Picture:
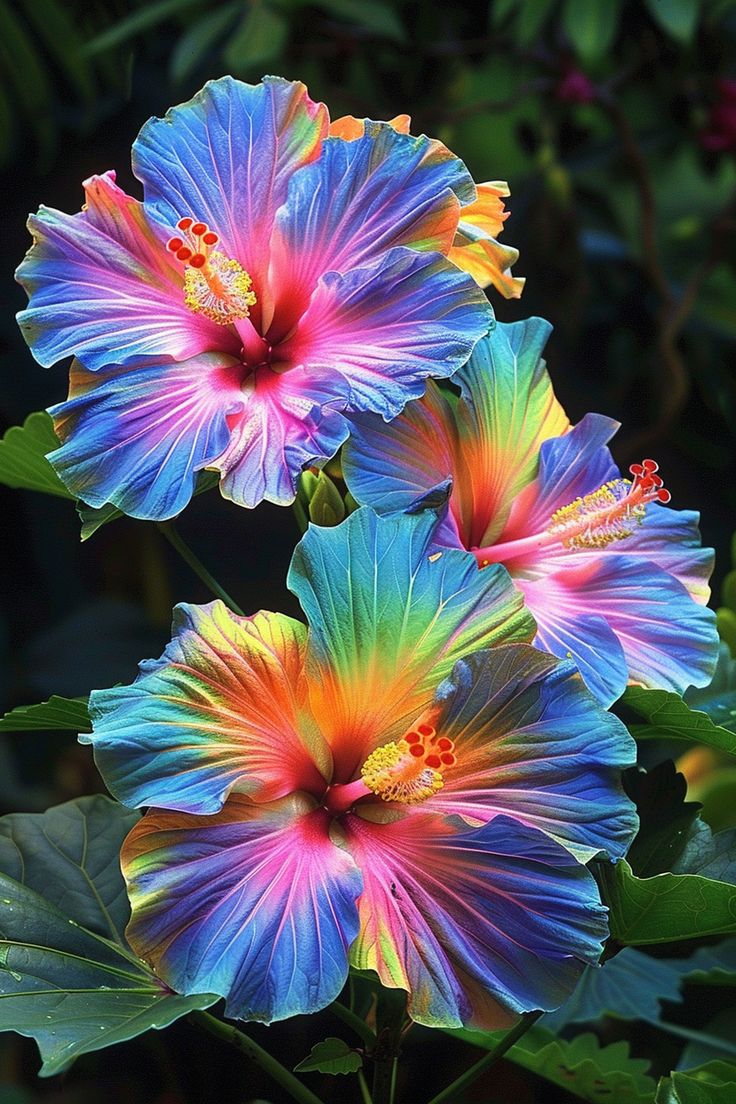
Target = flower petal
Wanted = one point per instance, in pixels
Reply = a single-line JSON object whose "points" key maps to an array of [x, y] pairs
{"points": [[388, 617], [361, 198], [102, 286], [475, 248], [256, 904], [370, 338], [487, 442], [391, 466], [532, 742], [570, 466], [138, 436], [285, 425], [669, 641], [224, 707], [348, 127], [226, 157], [476, 925]]}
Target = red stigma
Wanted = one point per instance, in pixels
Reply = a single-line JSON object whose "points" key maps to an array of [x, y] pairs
{"points": [[416, 750], [412, 737], [184, 223], [425, 730], [174, 243], [210, 238], [433, 761], [184, 253], [199, 228], [649, 483], [198, 260]]}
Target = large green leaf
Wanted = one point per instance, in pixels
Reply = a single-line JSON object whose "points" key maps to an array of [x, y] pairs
{"points": [[581, 1066], [69, 854], [669, 717], [667, 907], [52, 714], [23, 460], [629, 986], [62, 981]]}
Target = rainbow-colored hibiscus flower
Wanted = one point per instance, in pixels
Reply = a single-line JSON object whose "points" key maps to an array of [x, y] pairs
{"points": [[615, 580], [405, 785], [278, 273]]}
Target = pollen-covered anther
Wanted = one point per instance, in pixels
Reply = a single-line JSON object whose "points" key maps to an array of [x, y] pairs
{"points": [[612, 512], [411, 769], [215, 285]]}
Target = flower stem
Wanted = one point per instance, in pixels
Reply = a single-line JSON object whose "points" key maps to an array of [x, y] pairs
{"points": [[174, 538], [365, 1094], [451, 1092], [390, 1016], [359, 1026], [257, 1054]]}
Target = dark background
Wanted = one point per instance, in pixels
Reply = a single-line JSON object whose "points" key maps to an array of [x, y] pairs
{"points": [[614, 123]]}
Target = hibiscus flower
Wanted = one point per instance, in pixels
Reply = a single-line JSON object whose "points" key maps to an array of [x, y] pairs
{"points": [[274, 277], [404, 785]]}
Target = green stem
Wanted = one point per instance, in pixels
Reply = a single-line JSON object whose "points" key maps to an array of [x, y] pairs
{"points": [[176, 541], [360, 1027], [257, 1054], [364, 1090], [694, 1036], [452, 1091], [390, 1016]]}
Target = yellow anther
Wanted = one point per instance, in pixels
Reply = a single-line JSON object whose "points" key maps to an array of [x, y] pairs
{"points": [[220, 290]]}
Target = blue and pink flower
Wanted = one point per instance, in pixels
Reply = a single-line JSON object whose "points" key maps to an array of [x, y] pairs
{"points": [[405, 785], [279, 272], [615, 580]]}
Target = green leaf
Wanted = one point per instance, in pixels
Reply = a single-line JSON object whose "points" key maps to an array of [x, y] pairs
{"points": [[23, 460], [73, 988], [713, 965], [194, 44], [667, 907], [714, 1043], [677, 17], [581, 1066], [591, 26], [670, 718], [259, 38], [629, 986], [713, 855], [69, 854], [718, 699], [331, 1056], [56, 713], [713, 1083], [665, 817]]}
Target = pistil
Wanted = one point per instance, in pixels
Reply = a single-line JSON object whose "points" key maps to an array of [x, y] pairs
{"points": [[611, 513]]}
